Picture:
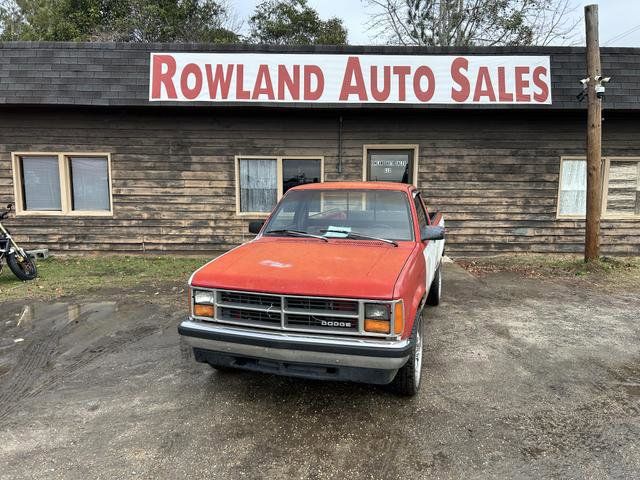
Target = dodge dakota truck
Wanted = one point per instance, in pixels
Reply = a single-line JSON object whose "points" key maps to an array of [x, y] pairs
{"points": [[333, 286]]}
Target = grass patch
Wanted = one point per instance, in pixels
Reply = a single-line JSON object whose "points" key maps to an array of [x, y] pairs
{"points": [[77, 275], [623, 270]]}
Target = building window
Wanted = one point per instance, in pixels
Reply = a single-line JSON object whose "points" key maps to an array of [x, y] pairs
{"points": [[40, 183], [623, 188], [62, 184], [90, 183], [620, 187], [258, 184], [261, 181], [390, 163], [572, 195]]}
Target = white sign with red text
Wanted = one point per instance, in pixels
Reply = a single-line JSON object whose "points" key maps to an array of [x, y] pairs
{"points": [[371, 79]]}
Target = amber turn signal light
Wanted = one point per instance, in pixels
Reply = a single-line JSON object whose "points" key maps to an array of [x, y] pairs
{"points": [[377, 326], [398, 316], [203, 310]]}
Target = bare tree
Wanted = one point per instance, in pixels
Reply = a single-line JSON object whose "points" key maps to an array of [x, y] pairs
{"points": [[473, 22]]}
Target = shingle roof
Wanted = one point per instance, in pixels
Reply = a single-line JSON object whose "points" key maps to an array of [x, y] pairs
{"points": [[117, 74]]}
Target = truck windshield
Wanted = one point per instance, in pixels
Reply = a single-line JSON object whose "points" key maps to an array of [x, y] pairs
{"points": [[343, 213]]}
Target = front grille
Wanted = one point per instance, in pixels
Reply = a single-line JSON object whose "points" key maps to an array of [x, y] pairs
{"points": [[250, 299], [321, 323], [248, 316], [322, 305], [323, 315]]}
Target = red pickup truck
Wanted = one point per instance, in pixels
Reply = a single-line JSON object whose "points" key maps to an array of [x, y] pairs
{"points": [[333, 287]]}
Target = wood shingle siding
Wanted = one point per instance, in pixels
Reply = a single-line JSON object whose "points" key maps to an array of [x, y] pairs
{"points": [[493, 174]]}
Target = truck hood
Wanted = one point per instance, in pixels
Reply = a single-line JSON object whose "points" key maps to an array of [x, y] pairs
{"points": [[337, 268]]}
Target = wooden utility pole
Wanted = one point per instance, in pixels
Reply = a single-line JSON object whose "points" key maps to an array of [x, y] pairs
{"points": [[594, 137]]}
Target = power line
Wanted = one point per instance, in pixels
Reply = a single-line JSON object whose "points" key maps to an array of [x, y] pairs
{"points": [[622, 35]]}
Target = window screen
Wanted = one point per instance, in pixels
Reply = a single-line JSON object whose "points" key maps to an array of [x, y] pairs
{"points": [[572, 199], [90, 183], [40, 183], [258, 184], [623, 189]]}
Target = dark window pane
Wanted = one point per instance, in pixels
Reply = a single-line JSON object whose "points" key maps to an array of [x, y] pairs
{"points": [[90, 182], [41, 183], [258, 184], [298, 172], [390, 165]]}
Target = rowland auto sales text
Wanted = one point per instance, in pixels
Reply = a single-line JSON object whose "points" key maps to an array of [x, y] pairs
{"points": [[311, 78]]}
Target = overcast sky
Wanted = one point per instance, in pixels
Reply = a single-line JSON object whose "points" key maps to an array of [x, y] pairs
{"points": [[616, 17]]}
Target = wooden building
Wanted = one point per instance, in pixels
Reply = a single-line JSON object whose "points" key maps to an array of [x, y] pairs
{"points": [[96, 163]]}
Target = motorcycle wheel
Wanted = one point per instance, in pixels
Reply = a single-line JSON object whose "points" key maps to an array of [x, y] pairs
{"points": [[22, 267]]}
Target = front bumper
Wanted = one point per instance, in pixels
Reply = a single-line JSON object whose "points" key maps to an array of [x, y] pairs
{"points": [[299, 355]]}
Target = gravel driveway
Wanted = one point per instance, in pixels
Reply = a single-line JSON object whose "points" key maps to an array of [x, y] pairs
{"points": [[525, 378]]}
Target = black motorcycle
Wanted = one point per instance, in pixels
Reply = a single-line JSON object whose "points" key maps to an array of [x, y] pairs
{"points": [[20, 263]]}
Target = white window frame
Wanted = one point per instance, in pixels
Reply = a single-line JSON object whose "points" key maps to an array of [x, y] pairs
{"points": [[279, 177], [65, 185], [389, 146]]}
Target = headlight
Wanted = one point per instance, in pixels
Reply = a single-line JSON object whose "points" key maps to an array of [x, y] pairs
{"points": [[376, 318], [203, 296], [203, 303], [376, 311]]}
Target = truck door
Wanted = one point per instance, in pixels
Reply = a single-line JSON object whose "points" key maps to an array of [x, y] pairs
{"points": [[430, 250]]}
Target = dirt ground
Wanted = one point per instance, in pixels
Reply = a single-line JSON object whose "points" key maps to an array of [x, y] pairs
{"points": [[525, 378]]}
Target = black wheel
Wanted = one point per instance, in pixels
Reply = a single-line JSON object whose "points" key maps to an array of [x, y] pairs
{"points": [[407, 380], [23, 267], [433, 299]]}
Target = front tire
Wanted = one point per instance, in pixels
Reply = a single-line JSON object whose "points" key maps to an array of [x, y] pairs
{"points": [[22, 267], [407, 380]]}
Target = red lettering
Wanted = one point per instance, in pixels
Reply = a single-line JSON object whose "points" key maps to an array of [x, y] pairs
{"points": [[241, 93], [292, 84], [539, 82], [484, 88], [263, 85], [459, 65], [220, 81], [522, 84], [402, 72], [353, 72], [309, 71], [503, 95], [424, 95], [159, 77], [191, 69], [380, 95]]}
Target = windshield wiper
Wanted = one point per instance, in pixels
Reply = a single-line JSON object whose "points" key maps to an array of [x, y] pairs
{"points": [[369, 237], [297, 233], [364, 237]]}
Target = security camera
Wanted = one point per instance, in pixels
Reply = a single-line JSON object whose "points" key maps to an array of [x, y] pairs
{"points": [[597, 78], [605, 80], [584, 82]]}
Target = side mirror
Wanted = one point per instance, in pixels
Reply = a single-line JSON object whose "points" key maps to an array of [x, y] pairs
{"points": [[256, 226], [432, 233]]}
